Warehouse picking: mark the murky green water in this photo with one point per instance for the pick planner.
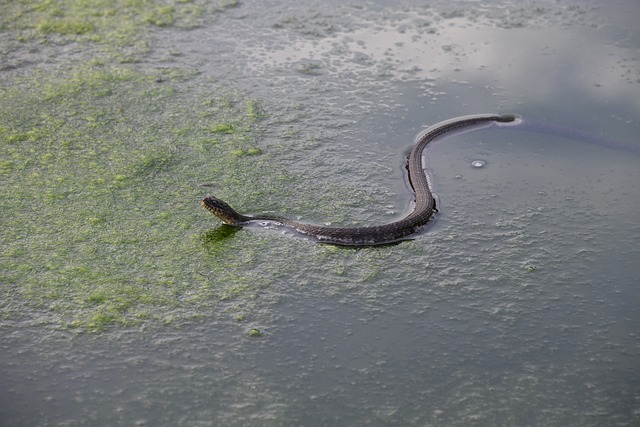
(125, 303)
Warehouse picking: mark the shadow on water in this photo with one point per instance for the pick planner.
(538, 126)
(214, 237)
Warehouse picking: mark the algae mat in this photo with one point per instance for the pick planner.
(105, 155)
(103, 168)
(102, 163)
(101, 175)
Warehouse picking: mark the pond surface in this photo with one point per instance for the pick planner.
(517, 305)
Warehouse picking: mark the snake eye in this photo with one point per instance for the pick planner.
(211, 202)
(216, 205)
(222, 210)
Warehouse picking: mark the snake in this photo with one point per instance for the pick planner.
(402, 229)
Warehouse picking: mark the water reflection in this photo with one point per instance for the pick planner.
(213, 238)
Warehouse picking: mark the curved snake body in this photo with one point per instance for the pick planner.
(378, 234)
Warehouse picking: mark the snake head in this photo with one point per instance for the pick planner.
(223, 211)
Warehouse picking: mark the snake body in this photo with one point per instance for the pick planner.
(377, 234)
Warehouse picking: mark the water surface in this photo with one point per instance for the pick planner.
(518, 305)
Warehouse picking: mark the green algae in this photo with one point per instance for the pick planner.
(103, 169)
(255, 333)
(101, 173)
(103, 166)
(223, 128)
(107, 22)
